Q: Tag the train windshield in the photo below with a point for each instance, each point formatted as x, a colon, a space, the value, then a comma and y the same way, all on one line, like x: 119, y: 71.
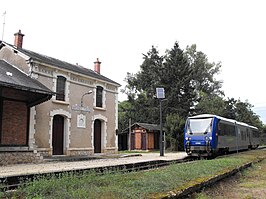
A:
x: 199, y: 126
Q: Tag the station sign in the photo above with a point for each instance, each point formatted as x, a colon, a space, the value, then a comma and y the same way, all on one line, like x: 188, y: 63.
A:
x: 77, y: 107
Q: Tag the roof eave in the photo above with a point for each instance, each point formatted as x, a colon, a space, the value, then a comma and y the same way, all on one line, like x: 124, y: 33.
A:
x: 37, y: 61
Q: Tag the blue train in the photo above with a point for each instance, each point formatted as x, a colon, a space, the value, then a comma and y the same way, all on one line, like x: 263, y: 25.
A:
x: 207, y: 135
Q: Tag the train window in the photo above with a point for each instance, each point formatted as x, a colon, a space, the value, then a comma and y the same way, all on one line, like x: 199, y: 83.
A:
x: 243, y: 135
x: 255, y: 134
x: 226, y: 129
x: 200, y: 125
x: 232, y: 130
x: 221, y: 128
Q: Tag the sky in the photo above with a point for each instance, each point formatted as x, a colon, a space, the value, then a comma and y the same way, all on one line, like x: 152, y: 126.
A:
x: 119, y: 32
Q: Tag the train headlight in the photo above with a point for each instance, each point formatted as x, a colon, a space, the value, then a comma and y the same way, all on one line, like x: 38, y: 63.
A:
x: 210, y: 138
x: 189, y: 138
x: 206, y: 138
x: 186, y: 138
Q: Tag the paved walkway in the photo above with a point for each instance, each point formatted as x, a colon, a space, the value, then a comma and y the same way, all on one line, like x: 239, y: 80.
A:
x: 49, y: 167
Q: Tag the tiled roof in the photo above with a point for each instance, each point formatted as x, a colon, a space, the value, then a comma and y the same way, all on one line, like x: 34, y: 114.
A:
x: 62, y: 64
x: 14, y: 78
x: 148, y: 126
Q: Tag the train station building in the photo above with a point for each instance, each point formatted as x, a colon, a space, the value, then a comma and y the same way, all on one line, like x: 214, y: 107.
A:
x: 80, y: 116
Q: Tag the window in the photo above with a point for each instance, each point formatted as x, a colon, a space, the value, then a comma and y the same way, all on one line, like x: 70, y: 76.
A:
x: 60, y: 88
x: 99, y: 96
x: 226, y: 129
x: 197, y: 126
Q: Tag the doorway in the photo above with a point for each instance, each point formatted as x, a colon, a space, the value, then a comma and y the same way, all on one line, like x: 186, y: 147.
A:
x: 58, y: 135
x: 97, y: 136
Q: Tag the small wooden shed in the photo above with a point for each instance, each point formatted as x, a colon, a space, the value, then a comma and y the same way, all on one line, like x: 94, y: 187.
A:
x: 141, y: 136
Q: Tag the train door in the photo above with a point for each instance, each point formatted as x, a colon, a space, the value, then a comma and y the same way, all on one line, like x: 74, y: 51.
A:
x: 249, y: 137
x: 217, y: 133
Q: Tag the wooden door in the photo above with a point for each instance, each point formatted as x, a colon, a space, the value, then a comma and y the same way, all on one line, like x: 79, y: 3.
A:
x: 132, y: 144
x: 156, y: 140
x: 97, y: 136
x: 143, y: 141
x: 58, y: 135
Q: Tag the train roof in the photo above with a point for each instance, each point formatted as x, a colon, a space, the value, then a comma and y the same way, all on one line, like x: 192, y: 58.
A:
x: 221, y: 118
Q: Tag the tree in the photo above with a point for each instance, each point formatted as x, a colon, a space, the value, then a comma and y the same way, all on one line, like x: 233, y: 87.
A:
x: 203, y: 72
x: 141, y: 87
x: 177, y: 81
x: 245, y: 114
x: 242, y: 112
x: 125, y: 112
x: 211, y: 104
x: 147, y: 79
x: 174, y: 126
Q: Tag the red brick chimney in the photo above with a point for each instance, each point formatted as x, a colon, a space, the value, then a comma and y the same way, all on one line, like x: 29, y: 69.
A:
x: 18, y: 39
x: 97, y: 66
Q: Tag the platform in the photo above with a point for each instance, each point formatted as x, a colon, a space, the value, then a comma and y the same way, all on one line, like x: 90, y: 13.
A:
x: 58, y: 164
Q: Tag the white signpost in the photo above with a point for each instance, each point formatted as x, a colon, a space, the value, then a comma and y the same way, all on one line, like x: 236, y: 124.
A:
x: 160, y: 95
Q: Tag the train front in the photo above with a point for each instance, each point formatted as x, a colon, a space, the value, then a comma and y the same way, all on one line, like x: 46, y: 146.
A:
x: 199, y: 136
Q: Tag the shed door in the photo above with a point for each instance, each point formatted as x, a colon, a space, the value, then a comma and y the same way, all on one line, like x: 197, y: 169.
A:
x: 97, y: 136
x: 58, y: 135
x: 143, y: 141
x: 132, y: 141
x: 157, y: 140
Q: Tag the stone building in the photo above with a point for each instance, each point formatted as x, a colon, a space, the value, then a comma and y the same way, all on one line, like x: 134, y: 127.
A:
x: 81, y: 118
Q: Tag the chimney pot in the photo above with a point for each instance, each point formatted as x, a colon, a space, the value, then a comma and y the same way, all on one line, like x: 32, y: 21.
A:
x: 18, y: 39
x: 97, y: 66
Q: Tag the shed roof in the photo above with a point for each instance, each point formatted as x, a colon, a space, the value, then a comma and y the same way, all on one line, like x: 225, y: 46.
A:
x: 149, y: 127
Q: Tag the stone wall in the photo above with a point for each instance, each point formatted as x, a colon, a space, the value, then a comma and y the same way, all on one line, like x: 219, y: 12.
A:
x: 80, y: 152
x: 19, y: 157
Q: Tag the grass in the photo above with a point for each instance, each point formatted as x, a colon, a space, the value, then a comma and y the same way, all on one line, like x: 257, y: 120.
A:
x: 142, y: 184
x: 256, y: 177
x: 249, y: 183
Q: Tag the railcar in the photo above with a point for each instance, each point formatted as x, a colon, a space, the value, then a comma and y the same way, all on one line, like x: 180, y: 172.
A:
x: 207, y: 135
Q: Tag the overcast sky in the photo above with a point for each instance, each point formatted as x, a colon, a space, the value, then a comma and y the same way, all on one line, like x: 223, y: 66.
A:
x: 118, y: 32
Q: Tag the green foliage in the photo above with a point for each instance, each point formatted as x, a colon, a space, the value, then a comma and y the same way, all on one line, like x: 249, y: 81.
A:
x: 174, y: 126
x: 126, y: 112
x: 177, y: 81
x: 211, y: 104
x: 203, y: 72
x: 242, y: 111
x: 230, y: 108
